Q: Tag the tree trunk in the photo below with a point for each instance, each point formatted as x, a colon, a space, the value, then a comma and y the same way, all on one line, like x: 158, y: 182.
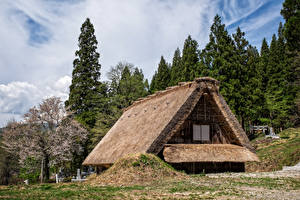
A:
x: 6, y: 173
x: 250, y: 129
x: 243, y: 123
x: 47, y: 168
x: 42, y: 171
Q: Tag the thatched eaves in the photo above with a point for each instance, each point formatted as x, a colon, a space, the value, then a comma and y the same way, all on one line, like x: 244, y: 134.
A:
x: 183, y: 153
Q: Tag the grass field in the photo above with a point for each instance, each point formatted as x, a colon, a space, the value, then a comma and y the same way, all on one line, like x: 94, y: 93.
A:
x: 193, y: 187
x: 144, y: 176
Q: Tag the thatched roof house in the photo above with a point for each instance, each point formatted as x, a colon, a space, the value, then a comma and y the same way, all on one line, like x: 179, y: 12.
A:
x: 188, y: 123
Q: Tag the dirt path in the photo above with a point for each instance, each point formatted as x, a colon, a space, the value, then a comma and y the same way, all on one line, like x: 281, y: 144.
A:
x: 292, y: 172
x: 267, y: 191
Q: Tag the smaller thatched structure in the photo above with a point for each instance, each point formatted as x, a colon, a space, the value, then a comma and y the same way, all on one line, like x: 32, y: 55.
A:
x: 184, y: 153
x: 189, y: 123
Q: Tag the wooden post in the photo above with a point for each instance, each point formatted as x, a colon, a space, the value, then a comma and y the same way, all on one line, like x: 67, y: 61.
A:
x: 204, y: 108
x: 42, y: 170
x: 193, y: 168
x: 99, y: 169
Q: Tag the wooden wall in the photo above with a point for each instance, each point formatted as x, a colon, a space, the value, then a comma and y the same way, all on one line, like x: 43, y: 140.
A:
x: 205, y: 112
x: 210, y: 167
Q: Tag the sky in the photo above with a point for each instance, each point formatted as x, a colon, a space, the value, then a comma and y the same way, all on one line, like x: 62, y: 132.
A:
x: 38, y: 38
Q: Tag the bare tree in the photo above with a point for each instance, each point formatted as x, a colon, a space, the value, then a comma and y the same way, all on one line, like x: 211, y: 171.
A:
x: 46, y: 134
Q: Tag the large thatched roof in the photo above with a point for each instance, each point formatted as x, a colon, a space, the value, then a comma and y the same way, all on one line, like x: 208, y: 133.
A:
x: 180, y: 153
x: 150, y: 122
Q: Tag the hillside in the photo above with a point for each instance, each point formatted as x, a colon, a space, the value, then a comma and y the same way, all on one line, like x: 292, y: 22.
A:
x: 276, y: 153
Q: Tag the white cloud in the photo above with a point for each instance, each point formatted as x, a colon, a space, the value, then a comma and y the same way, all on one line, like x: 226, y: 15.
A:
x: 136, y: 31
x: 7, y: 117
x: 233, y: 11
x: 59, y: 89
x: 263, y: 19
x: 17, y: 97
x: 39, y: 39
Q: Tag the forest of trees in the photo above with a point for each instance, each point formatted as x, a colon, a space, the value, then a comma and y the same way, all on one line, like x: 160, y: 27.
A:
x: 260, y: 86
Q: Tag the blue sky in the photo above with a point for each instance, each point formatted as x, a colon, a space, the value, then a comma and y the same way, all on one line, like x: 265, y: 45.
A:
x: 39, y: 38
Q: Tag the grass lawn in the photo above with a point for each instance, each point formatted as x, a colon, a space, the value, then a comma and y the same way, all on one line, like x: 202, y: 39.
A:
x: 138, y: 176
x: 193, y: 187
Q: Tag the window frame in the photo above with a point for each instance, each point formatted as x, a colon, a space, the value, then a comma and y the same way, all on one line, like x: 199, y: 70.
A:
x: 201, y: 130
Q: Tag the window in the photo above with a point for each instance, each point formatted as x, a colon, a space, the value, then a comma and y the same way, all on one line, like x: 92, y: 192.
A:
x: 200, y: 132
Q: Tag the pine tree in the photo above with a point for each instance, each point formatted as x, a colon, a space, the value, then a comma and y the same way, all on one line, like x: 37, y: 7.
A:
x: 240, y: 75
x: 153, y: 84
x: 254, y: 87
x: 86, y: 90
x: 281, y: 43
x: 131, y: 86
x: 161, y: 79
x: 126, y: 84
x: 217, y: 53
x: 140, y: 85
x: 219, y: 57
x: 190, y: 60
x: 147, y: 86
x: 176, y: 69
x: 274, y: 67
x: 279, y: 93
x: 291, y: 14
x: 263, y: 63
x: 273, y: 88
x: 264, y: 70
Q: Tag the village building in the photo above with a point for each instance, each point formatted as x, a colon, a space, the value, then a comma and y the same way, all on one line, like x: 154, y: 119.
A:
x: 190, y: 126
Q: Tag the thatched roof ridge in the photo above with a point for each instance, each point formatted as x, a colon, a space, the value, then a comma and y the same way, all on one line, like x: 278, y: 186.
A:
x: 150, y: 122
x: 173, y: 88
x: 179, y: 153
x: 159, y: 93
